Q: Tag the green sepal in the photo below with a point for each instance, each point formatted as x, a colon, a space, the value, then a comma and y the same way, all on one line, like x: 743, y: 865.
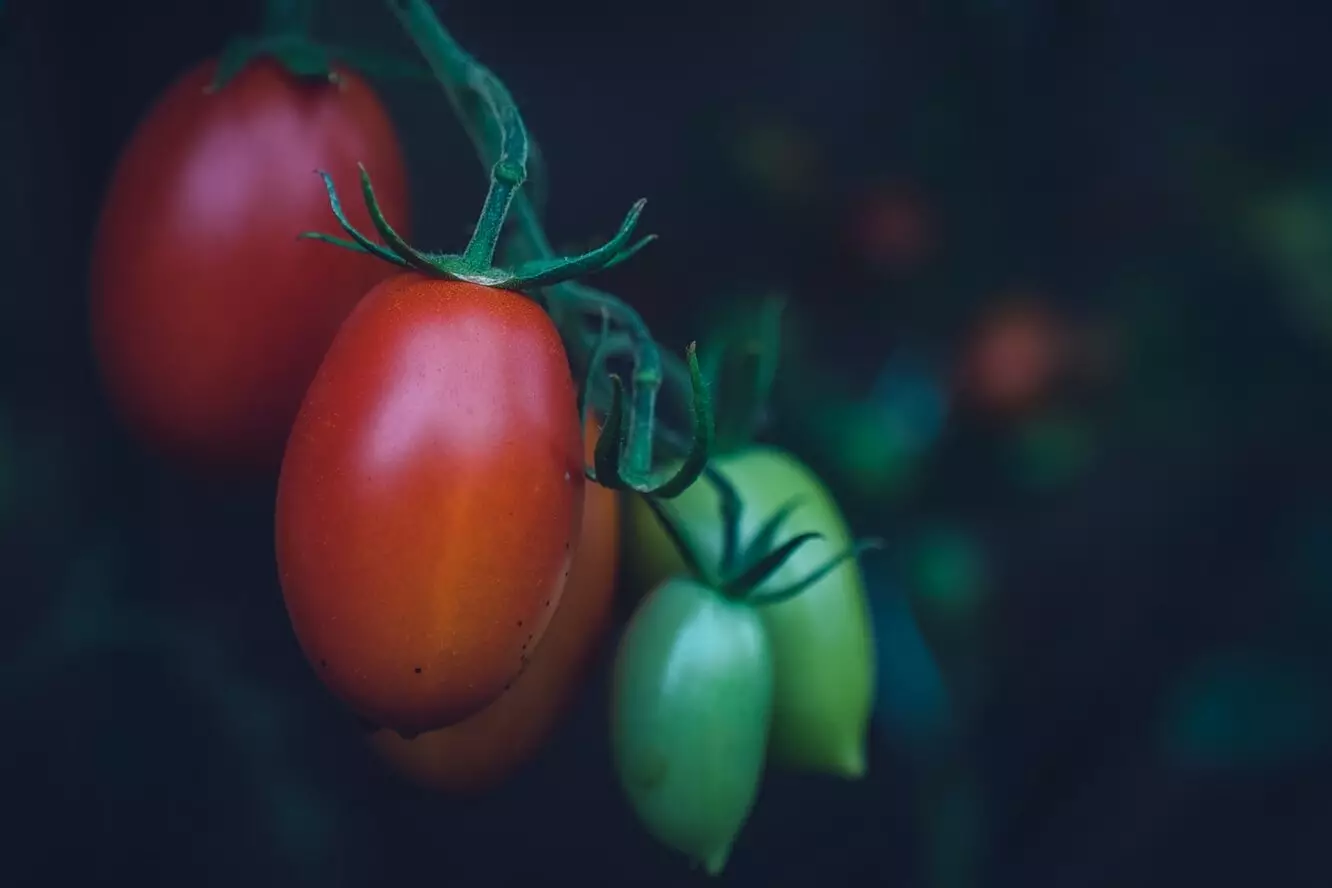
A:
x: 753, y: 575
x: 777, y: 596
x: 458, y: 267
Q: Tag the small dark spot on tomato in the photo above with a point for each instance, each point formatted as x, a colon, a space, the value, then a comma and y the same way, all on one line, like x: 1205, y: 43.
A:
x: 520, y: 624
x: 418, y: 670
x: 323, y: 664
x: 547, y: 602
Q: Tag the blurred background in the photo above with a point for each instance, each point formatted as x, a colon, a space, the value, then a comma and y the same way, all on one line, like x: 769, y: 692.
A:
x: 1059, y: 330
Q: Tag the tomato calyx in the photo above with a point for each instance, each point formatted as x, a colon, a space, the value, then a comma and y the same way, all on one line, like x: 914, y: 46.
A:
x: 506, y: 132
x: 744, y: 568
x: 474, y: 265
x: 492, y: 121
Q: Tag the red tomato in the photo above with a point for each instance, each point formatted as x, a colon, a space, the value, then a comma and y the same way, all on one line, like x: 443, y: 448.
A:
x: 486, y: 748
x: 430, y: 500
x: 209, y: 315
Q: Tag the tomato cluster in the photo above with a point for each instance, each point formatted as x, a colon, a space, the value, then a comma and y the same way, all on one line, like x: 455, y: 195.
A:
x: 447, y: 567
x: 710, y: 686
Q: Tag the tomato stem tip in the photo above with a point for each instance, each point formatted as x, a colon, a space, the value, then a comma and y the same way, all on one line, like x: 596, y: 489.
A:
x: 517, y: 187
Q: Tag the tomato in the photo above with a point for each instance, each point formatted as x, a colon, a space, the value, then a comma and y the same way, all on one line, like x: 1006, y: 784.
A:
x: 822, y: 640
x: 209, y: 315
x: 692, y: 699
x: 430, y: 500
x: 488, y: 747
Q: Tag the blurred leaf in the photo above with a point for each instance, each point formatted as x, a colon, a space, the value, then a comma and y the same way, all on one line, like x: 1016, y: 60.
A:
x: 912, y: 704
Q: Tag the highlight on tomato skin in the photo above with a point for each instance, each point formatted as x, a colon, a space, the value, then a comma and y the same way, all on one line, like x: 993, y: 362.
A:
x: 430, y: 500
x: 209, y: 314
x: 476, y: 754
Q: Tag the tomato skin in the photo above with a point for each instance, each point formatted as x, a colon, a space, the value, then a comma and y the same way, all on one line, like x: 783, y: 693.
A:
x: 822, y: 640
x: 478, y: 753
x: 692, y: 700
x: 430, y: 499
x: 209, y: 316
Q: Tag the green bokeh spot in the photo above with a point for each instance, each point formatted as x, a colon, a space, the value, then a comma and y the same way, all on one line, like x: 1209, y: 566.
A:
x: 1293, y: 231
x: 871, y: 452
x: 949, y: 574
x: 1050, y: 452
x: 1245, y: 711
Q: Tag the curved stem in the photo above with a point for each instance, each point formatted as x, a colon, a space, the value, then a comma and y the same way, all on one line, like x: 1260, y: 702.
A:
x: 500, y: 136
x: 288, y: 17
x: 647, y: 368
x: 504, y: 137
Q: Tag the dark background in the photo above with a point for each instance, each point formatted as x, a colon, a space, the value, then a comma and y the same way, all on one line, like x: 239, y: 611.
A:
x: 1128, y: 581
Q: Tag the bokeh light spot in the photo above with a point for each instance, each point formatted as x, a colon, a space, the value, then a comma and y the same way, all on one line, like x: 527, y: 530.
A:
x: 1244, y: 710
x: 949, y: 573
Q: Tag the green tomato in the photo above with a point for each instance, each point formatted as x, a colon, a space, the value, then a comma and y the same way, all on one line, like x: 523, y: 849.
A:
x: 822, y: 640
x: 691, y: 705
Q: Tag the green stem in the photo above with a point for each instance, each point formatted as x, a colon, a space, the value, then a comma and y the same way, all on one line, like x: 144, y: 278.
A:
x: 647, y: 367
x: 499, y: 137
x: 289, y: 17
x: 505, y: 180
x: 506, y: 140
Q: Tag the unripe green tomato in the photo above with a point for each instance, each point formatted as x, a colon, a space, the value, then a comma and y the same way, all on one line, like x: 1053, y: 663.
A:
x: 822, y: 640
x: 691, y: 705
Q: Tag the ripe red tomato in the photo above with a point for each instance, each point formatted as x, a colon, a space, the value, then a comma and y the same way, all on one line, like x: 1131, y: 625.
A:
x: 430, y: 500
x: 483, y: 750
x: 209, y: 315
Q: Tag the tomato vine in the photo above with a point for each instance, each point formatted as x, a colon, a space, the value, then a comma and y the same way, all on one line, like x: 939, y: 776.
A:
x: 624, y: 454
x: 285, y: 36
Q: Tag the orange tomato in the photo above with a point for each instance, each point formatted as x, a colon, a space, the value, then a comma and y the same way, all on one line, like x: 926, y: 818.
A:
x: 486, y: 748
